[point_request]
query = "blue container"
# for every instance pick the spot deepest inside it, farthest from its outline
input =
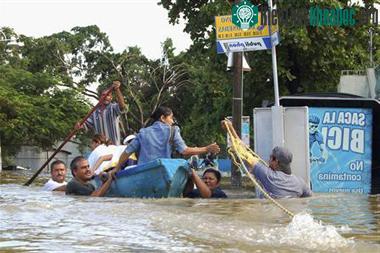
(160, 178)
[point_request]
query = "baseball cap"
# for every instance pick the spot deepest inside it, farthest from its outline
(285, 157)
(128, 139)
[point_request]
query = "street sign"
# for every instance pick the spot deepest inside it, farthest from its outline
(231, 38)
(245, 15)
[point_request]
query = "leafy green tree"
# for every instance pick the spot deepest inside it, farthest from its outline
(34, 109)
(310, 59)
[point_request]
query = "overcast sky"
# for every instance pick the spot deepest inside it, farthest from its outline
(126, 22)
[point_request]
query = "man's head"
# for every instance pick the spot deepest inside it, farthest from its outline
(58, 171)
(108, 97)
(80, 169)
(280, 159)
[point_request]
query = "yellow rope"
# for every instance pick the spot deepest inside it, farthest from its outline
(238, 152)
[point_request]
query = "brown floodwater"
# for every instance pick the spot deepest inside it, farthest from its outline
(32, 220)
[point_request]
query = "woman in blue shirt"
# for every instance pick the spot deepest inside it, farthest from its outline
(159, 140)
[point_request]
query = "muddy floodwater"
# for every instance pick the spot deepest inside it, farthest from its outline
(32, 220)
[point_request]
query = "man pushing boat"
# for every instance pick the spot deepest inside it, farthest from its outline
(82, 175)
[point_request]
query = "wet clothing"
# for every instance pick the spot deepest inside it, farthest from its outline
(74, 187)
(51, 185)
(278, 184)
(105, 120)
(153, 142)
(216, 193)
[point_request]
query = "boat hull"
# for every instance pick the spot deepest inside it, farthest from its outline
(160, 178)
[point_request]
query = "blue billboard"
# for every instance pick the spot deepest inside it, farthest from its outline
(340, 145)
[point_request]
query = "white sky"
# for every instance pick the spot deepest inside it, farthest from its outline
(126, 22)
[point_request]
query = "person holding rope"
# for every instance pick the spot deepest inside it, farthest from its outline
(105, 119)
(276, 178)
(160, 139)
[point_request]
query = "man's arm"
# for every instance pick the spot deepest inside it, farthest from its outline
(228, 123)
(212, 148)
(204, 191)
(100, 161)
(250, 160)
(119, 95)
(123, 158)
(62, 188)
(103, 189)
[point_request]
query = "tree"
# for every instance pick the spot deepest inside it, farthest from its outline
(146, 84)
(309, 58)
(33, 109)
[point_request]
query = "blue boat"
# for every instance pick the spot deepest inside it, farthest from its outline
(160, 178)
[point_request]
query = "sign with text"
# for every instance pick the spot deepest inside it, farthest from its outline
(231, 38)
(340, 145)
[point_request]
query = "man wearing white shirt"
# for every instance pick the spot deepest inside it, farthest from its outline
(58, 175)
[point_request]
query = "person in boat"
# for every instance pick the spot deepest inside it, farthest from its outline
(277, 179)
(104, 155)
(132, 160)
(82, 175)
(207, 187)
(102, 150)
(105, 119)
(58, 175)
(160, 139)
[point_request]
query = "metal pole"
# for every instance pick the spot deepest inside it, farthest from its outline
(278, 136)
(274, 57)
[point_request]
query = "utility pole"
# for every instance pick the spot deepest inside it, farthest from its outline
(370, 47)
(237, 107)
(1, 163)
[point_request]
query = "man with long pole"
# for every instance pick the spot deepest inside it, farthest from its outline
(71, 134)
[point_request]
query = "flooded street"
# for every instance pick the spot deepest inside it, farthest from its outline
(35, 221)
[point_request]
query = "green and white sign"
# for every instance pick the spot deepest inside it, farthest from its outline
(245, 15)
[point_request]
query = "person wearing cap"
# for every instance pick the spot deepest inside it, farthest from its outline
(277, 178)
(160, 139)
(132, 160)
